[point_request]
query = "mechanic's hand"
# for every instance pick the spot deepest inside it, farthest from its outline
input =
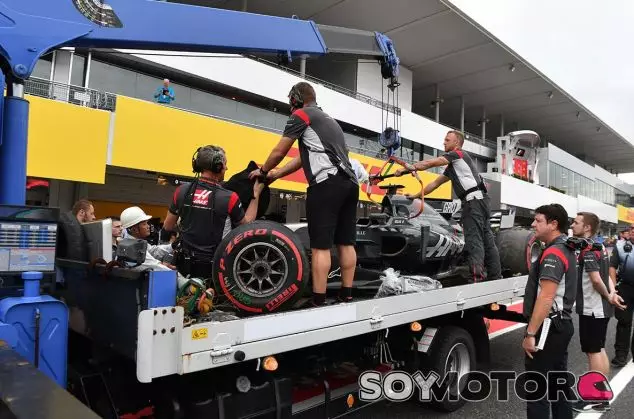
(258, 188)
(529, 346)
(617, 300)
(172, 267)
(255, 174)
(401, 172)
(272, 175)
(412, 197)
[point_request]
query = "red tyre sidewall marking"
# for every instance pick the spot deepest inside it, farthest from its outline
(300, 268)
(281, 298)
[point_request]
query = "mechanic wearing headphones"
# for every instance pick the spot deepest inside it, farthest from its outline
(333, 190)
(469, 187)
(596, 298)
(622, 273)
(206, 210)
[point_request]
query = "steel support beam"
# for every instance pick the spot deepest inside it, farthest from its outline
(14, 145)
(462, 114)
(437, 103)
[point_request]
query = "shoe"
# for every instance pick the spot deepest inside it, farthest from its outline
(588, 406)
(343, 300)
(619, 362)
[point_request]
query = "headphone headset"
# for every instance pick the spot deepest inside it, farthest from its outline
(217, 162)
(295, 98)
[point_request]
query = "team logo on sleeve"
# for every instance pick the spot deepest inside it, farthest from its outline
(201, 197)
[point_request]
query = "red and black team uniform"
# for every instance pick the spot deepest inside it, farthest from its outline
(557, 263)
(480, 244)
(207, 211)
(594, 311)
(333, 190)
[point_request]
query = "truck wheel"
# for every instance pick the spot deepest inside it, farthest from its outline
(261, 267)
(517, 247)
(453, 350)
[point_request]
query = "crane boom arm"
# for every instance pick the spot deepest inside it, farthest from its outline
(29, 29)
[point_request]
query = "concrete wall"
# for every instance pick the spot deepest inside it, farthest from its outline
(370, 82)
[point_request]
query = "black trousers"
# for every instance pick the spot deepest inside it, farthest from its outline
(624, 341)
(554, 357)
(479, 240)
(196, 266)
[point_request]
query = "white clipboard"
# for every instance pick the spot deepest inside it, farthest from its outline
(544, 334)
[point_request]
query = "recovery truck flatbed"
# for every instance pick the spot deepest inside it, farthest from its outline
(303, 362)
(209, 345)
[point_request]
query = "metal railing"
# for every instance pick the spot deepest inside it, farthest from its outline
(364, 98)
(82, 96)
(353, 94)
(75, 95)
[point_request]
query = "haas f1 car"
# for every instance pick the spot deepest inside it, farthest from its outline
(263, 266)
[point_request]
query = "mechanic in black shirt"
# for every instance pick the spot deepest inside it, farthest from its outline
(622, 272)
(206, 210)
(467, 184)
(333, 190)
(550, 292)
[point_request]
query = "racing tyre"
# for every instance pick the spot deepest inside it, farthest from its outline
(452, 351)
(261, 267)
(517, 247)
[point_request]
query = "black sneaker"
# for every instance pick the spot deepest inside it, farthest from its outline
(619, 362)
(589, 406)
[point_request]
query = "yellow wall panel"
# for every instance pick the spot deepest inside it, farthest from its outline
(67, 142)
(152, 137)
(105, 209)
(625, 214)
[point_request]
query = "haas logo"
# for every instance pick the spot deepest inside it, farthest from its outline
(201, 197)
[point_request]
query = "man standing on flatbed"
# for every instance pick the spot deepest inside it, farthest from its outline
(469, 187)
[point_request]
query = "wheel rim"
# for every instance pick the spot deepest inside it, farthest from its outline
(260, 270)
(458, 361)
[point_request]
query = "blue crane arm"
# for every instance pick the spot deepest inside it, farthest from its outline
(32, 28)
(29, 29)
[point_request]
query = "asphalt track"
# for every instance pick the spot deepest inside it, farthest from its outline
(507, 354)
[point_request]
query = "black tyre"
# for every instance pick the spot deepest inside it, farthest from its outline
(452, 350)
(517, 247)
(261, 267)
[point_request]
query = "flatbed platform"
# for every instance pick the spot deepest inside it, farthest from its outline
(166, 347)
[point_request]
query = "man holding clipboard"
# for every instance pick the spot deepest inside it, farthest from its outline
(548, 299)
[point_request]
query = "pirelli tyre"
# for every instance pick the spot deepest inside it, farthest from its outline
(517, 247)
(261, 267)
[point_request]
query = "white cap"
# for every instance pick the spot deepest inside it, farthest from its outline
(133, 216)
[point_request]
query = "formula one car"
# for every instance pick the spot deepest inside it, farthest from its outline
(264, 266)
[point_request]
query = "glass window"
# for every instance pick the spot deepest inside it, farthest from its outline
(108, 78)
(43, 67)
(113, 79)
(77, 71)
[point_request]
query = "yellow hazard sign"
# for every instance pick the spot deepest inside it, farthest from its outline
(199, 333)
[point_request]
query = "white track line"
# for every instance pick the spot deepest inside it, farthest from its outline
(618, 383)
(506, 330)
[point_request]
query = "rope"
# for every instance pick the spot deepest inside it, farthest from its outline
(195, 299)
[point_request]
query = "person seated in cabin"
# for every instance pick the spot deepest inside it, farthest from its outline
(134, 222)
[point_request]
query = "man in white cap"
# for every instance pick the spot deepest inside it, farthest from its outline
(134, 222)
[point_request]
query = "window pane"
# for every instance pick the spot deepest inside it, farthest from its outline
(77, 72)
(42, 69)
